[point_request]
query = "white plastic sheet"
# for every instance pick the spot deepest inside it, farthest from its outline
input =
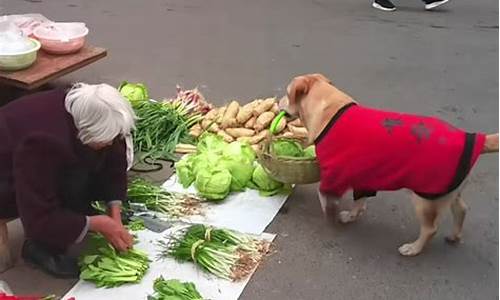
(245, 211)
(209, 286)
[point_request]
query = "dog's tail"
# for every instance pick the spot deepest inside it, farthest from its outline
(491, 144)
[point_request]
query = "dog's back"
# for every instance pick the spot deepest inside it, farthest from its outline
(373, 150)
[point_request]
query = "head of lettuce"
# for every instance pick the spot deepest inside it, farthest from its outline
(219, 168)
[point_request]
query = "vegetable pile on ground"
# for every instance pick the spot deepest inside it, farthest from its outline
(106, 267)
(174, 289)
(247, 123)
(155, 198)
(218, 168)
(193, 99)
(160, 125)
(136, 225)
(289, 148)
(225, 253)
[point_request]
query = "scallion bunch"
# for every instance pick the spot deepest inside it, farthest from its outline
(155, 198)
(161, 126)
(225, 253)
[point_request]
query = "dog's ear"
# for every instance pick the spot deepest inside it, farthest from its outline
(322, 77)
(297, 88)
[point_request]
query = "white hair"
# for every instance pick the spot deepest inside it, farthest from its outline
(101, 114)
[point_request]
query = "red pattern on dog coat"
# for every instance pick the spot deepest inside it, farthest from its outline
(367, 149)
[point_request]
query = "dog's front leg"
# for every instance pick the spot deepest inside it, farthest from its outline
(348, 216)
(329, 205)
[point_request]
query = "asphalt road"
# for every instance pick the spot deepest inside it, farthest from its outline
(441, 63)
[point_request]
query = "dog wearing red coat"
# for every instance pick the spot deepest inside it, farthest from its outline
(369, 150)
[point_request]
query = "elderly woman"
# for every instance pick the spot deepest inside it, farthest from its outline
(59, 151)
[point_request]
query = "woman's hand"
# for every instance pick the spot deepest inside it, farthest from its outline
(115, 212)
(113, 231)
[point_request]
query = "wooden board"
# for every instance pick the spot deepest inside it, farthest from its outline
(49, 67)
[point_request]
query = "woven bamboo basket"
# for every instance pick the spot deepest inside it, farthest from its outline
(288, 169)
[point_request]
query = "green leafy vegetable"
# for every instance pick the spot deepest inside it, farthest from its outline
(241, 171)
(106, 267)
(266, 185)
(136, 225)
(287, 148)
(211, 143)
(225, 253)
(240, 150)
(213, 183)
(310, 151)
(134, 92)
(155, 198)
(219, 168)
(174, 289)
(160, 127)
(184, 171)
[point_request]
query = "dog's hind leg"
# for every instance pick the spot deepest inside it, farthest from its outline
(428, 212)
(458, 210)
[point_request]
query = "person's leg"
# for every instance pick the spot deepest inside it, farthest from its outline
(74, 194)
(5, 255)
(432, 4)
(384, 5)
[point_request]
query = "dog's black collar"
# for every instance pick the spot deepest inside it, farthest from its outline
(332, 121)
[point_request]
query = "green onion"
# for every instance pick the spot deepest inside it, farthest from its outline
(225, 253)
(161, 126)
(155, 198)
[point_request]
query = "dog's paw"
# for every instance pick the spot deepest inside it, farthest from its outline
(410, 249)
(453, 240)
(345, 217)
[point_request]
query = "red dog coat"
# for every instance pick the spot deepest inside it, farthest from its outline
(371, 150)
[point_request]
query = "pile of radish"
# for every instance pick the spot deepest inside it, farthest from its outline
(248, 123)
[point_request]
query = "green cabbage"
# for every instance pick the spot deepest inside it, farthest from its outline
(310, 151)
(213, 184)
(209, 142)
(241, 171)
(264, 183)
(134, 92)
(219, 168)
(286, 147)
(240, 150)
(184, 170)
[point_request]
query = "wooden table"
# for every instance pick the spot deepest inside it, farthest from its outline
(49, 67)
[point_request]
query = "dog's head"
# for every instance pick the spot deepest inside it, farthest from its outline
(298, 89)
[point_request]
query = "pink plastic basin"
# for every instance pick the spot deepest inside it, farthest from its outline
(72, 42)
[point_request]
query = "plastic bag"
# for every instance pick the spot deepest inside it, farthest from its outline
(12, 40)
(27, 22)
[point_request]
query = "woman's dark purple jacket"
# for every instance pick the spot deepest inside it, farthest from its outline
(38, 145)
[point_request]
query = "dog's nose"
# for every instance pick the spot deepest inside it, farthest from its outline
(283, 103)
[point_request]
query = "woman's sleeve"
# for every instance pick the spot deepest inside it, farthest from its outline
(37, 164)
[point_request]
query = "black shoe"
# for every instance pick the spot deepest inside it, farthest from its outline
(431, 4)
(384, 5)
(57, 265)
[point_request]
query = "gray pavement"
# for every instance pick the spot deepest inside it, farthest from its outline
(440, 63)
